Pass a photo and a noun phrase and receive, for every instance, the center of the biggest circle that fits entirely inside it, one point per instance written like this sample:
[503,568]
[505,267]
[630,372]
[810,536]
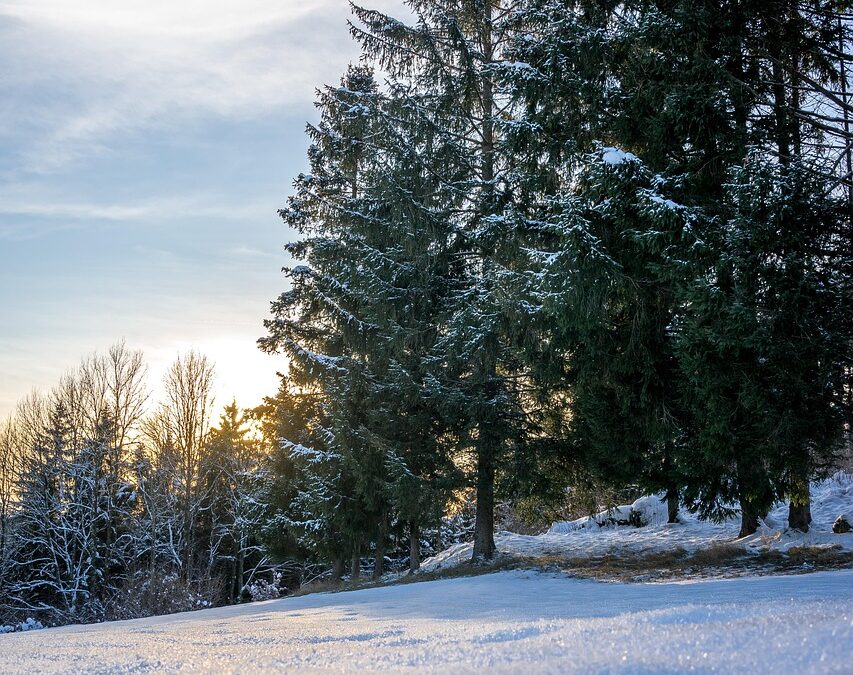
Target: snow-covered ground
[503,622]
[512,621]
[592,536]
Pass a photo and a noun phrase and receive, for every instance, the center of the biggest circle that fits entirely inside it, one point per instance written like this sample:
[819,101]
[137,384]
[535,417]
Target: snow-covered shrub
[261,589]
[29,624]
[150,594]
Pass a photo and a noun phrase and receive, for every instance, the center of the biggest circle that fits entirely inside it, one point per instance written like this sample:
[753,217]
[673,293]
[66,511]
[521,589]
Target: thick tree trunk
[414,547]
[748,518]
[799,516]
[672,505]
[799,511]
[337,568]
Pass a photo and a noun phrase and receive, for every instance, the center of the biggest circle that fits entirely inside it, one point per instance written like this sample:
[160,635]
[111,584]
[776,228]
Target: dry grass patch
[717,555]
[716,561]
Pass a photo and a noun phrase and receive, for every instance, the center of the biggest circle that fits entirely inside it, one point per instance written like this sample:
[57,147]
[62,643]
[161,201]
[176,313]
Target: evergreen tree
[764,344]
[324,323]
[609,289]
[231,515]
[610,232]
[444,67]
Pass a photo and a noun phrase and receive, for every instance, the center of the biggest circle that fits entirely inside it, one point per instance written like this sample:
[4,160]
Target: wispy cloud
[120,114]
[150,210]
[125,66]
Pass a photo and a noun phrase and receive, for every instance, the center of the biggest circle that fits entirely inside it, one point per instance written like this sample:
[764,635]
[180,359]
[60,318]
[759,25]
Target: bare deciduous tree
[179,429]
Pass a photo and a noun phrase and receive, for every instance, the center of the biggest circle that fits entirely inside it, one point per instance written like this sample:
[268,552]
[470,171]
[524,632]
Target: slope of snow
[599,535]
[504,622]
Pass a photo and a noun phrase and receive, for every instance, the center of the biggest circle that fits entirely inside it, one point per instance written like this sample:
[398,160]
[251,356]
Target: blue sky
[145,146]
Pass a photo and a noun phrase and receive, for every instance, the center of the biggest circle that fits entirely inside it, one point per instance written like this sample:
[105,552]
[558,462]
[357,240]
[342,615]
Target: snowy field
[503,622]
[593,536]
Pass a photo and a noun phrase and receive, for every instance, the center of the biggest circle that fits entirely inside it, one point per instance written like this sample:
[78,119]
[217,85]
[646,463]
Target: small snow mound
[618,515]
[649,510]
[449,557]
[832,498]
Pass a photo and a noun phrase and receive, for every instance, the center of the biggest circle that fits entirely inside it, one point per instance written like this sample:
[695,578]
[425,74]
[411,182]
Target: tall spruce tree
[445,64]
[628,128]
[764,345]
[378,259]
[319,322]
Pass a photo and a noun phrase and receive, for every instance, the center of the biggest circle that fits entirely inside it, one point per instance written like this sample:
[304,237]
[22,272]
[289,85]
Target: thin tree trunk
[241,562]
[484,527]
[780,105]
[355,567]
[232,585]
[487,446]
[484,524]
[379,561]
[414,547]
[848,140]
[188,555]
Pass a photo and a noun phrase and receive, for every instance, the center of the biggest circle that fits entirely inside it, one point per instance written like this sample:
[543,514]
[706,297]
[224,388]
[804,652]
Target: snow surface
[617,156]
[599,535]
[503,622]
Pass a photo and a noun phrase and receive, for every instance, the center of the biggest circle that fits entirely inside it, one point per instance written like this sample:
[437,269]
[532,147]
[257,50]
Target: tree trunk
[241,557]
[337,568]
[188,535]
[355,567]
[672,505]
[799,516]
[484,524]
[848,139]
[379,560]
[232,582]
[780,106]
[748,518]
[799,511]
[414,547]
[484,527]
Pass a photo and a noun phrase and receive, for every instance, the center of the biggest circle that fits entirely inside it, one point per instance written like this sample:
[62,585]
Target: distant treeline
[114,508]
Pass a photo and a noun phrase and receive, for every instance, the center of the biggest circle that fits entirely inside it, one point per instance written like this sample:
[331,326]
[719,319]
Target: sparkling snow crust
[504,622]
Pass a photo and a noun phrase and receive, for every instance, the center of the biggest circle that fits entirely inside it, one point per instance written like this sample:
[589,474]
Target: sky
[145,147]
